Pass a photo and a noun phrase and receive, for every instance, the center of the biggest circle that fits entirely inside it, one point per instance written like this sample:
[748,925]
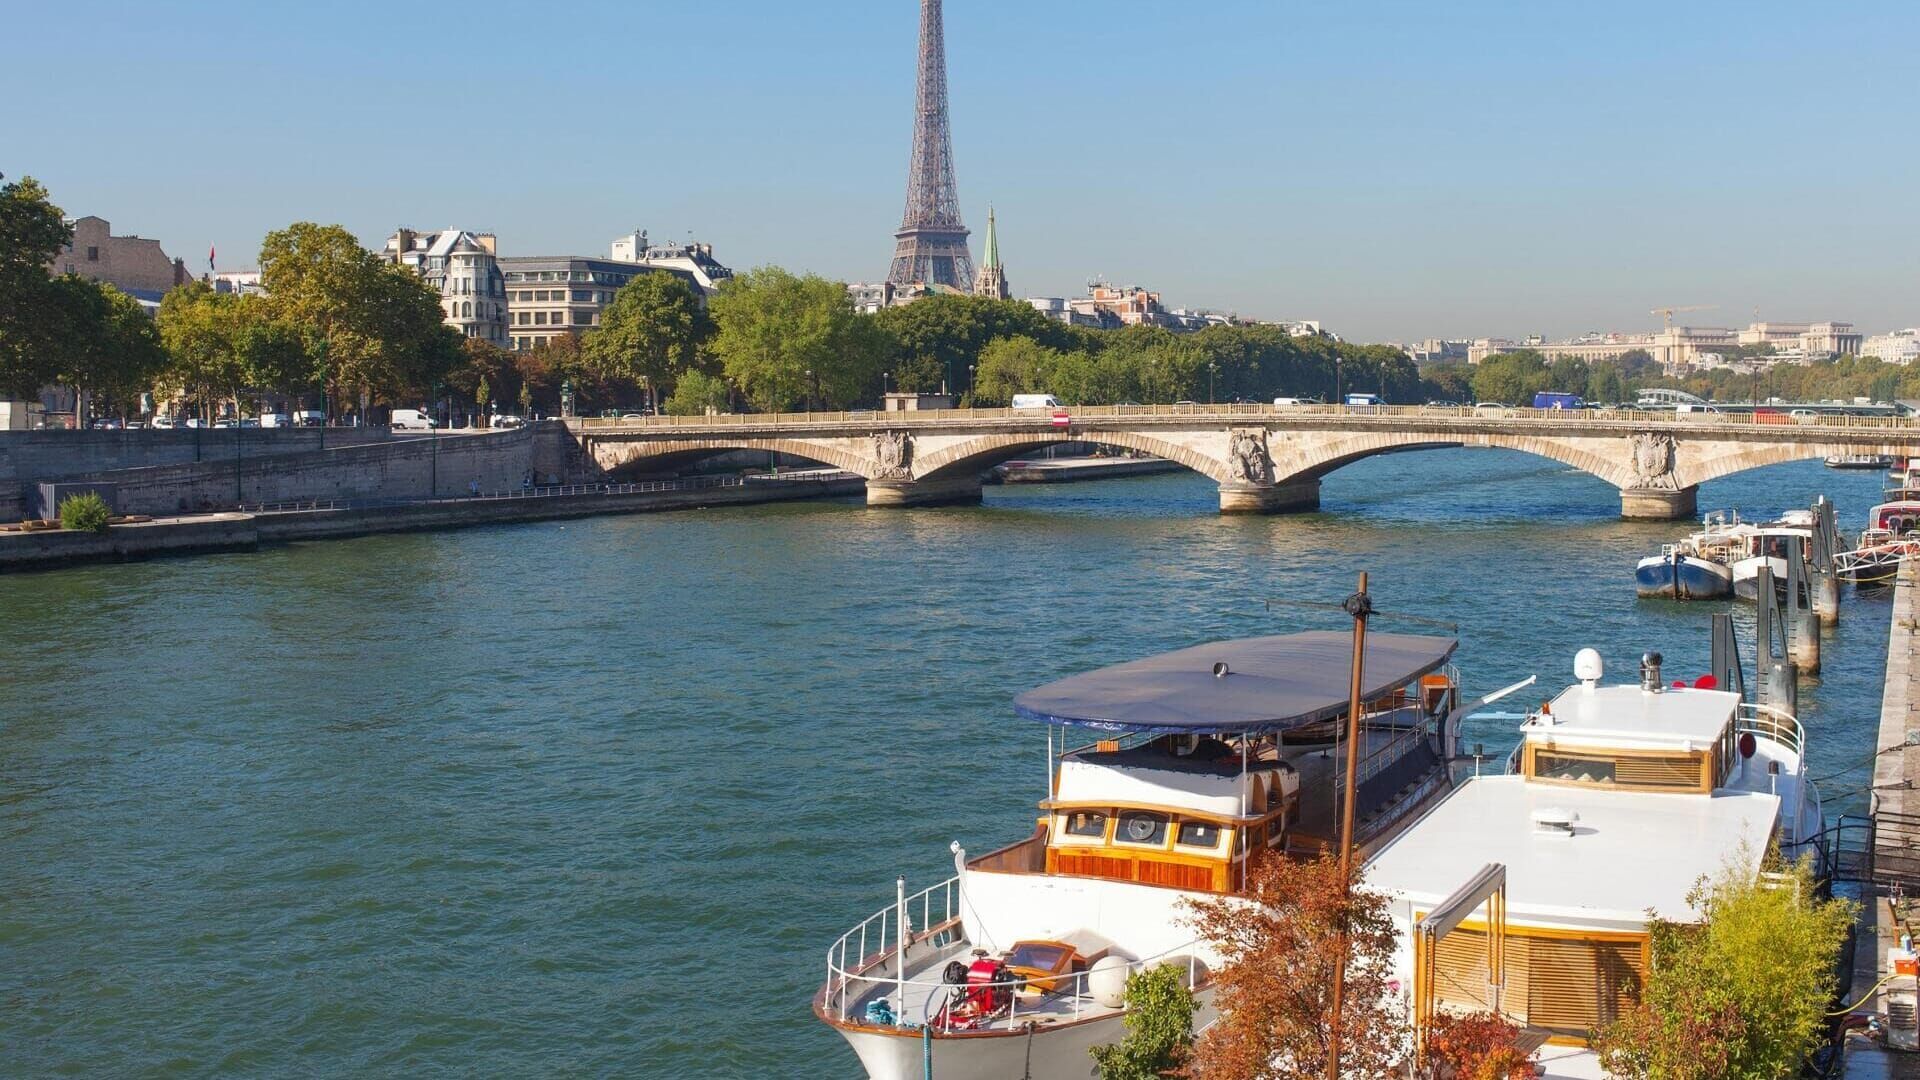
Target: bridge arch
[615,456]
[978,454]
[1699,463]
[1295,462]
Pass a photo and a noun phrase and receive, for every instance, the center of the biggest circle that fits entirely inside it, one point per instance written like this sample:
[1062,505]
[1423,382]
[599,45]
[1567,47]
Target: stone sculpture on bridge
[1247,456]
[893,454]
[1652,453]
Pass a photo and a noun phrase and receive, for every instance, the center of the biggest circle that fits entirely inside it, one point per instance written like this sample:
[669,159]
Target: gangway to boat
[1877,560]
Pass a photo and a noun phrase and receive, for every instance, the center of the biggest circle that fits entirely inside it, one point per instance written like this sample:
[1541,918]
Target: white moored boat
[1204,757]
[1768,547]
[1620,799]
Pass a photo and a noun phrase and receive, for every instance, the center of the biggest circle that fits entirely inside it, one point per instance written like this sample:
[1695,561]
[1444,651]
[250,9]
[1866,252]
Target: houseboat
[1859,461]
[1165,775]
[1529,893]
[1700,566]
[1768,546]
[1891,536]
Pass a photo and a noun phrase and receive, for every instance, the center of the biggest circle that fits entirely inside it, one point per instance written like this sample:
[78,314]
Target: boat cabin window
[1088,823]
[1199,834]
[1638,771]
[1141,827]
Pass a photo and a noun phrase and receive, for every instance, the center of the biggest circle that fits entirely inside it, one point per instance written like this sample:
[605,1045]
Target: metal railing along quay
[548,491]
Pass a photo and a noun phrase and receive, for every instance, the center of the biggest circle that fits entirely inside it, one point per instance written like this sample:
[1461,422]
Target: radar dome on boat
[1587,666]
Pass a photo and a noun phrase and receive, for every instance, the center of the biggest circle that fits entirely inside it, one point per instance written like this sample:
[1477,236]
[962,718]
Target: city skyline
[1395,174]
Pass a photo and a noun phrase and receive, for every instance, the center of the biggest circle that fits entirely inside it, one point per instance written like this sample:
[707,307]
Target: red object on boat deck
[1706,682]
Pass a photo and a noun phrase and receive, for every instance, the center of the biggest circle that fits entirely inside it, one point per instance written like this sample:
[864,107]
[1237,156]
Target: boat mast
[1359,605]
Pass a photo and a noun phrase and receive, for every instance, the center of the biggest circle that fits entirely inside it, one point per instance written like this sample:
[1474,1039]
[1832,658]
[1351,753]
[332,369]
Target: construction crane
[1668,312]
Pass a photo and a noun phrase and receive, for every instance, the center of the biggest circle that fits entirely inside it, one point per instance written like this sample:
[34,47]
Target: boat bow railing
[851,967]
[1777,724]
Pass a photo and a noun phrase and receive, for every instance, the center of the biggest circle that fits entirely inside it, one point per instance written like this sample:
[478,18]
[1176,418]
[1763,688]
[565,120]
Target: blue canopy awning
[1271,684]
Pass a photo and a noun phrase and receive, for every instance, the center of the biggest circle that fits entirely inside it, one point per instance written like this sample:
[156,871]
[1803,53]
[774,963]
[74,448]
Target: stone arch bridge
[1264,458]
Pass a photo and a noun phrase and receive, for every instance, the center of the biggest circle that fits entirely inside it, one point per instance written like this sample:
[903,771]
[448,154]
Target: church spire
[992,278]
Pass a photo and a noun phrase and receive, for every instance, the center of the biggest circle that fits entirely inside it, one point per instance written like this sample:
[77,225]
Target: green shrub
[1159,1028]
[85,512]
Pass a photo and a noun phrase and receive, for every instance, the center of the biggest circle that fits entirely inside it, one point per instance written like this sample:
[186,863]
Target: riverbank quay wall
[391,467]
[1887,907]
[219,532]
[34,457]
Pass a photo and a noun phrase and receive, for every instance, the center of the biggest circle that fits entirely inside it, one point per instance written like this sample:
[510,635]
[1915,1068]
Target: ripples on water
[593,797]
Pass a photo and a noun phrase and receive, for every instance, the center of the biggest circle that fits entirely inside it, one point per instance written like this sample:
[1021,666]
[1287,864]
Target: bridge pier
[960,490]
[1298,496]
[1659,504]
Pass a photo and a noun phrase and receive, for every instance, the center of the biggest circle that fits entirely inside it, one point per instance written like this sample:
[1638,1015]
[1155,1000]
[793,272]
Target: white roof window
[1627,716]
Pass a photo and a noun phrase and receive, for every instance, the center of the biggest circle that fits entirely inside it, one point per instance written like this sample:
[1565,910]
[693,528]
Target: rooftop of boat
[1248,685]
[1627,852]
[1617,715]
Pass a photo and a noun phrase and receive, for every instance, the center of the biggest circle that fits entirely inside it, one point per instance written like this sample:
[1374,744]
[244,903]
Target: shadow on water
[553,798]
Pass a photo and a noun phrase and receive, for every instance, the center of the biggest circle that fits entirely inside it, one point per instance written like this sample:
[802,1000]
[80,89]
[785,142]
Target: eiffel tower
[931,244]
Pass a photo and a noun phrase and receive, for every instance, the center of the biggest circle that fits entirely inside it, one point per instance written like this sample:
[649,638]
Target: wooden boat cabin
[1223,750]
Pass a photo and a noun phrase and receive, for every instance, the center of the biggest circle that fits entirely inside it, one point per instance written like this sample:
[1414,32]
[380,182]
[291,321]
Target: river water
[592,798]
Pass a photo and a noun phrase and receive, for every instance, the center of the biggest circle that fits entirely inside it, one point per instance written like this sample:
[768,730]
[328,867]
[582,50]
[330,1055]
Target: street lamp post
[810,385]
[1337,398]
[1212,369]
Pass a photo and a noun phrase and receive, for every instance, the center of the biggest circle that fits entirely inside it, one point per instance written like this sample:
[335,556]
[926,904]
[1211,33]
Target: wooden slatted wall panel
[1460,967]
[1662,772]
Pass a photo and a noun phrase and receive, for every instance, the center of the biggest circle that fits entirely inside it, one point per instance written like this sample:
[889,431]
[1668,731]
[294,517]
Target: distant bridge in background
[1264,458]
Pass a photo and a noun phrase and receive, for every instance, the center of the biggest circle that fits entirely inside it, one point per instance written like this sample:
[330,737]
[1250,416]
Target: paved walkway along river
[591,797]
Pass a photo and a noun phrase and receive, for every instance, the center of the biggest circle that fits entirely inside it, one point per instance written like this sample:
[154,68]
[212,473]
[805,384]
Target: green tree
[652,330]
[32,232]
[1159,1023]
[696,394]
[1511,378]
[774,328]
[1448,382]
[1016,365]
[936,339]
[106,343]
[1743,994]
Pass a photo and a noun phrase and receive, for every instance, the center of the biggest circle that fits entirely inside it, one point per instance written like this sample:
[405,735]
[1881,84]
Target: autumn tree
[1741,995]
[379,329]
[1275,988]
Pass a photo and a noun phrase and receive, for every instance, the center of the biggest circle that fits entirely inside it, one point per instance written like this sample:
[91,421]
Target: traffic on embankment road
[328,519]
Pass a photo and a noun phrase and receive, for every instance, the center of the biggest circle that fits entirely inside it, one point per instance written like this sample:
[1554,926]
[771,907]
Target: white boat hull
[1044,1053]
[1746,576]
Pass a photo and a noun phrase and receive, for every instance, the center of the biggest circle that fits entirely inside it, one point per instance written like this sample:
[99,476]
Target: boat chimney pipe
[1650,672]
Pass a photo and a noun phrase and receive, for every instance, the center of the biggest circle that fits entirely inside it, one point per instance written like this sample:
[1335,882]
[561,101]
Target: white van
[410,420]
[275,419]
[1288,402]
[1035,401]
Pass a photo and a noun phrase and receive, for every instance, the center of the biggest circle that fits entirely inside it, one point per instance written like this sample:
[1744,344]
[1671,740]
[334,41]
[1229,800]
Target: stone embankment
[246,531]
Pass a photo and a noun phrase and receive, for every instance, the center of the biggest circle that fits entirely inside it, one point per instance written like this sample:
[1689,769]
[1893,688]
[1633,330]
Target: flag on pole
[209,258]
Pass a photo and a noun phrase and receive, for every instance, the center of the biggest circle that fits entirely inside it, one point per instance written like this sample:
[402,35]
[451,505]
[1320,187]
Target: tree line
[1513,378]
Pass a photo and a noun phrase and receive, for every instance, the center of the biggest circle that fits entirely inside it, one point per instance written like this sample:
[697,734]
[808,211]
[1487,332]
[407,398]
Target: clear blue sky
[1397,170]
